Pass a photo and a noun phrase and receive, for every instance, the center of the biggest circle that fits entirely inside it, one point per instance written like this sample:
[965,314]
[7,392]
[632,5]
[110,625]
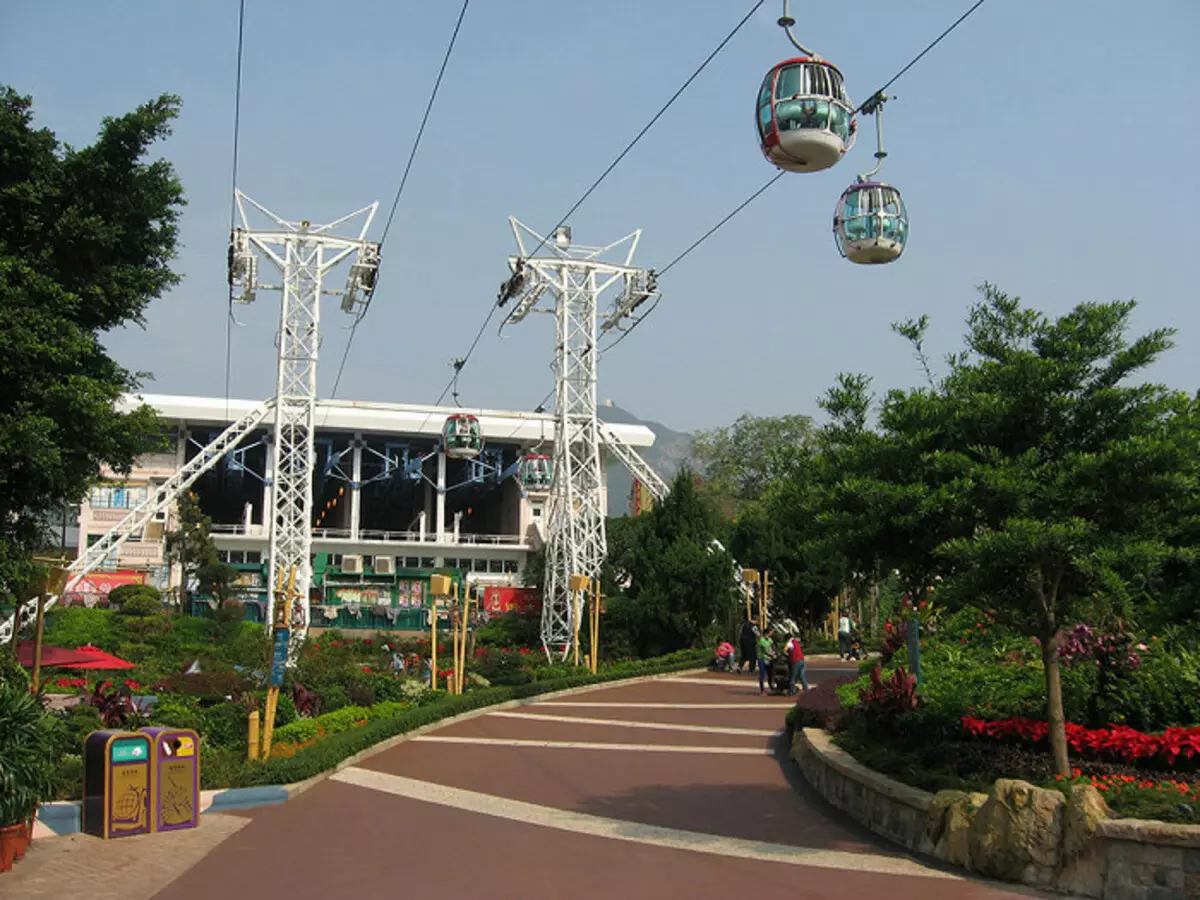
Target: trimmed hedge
[327,753]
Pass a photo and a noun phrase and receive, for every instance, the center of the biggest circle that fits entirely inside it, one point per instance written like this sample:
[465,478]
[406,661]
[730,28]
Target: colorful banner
[500,600]
[98,584]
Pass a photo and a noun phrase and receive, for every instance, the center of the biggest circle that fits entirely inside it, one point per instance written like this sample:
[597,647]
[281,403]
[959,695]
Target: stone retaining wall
[1017,832]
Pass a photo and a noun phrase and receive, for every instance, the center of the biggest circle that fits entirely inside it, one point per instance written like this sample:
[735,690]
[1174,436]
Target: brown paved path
[485,820]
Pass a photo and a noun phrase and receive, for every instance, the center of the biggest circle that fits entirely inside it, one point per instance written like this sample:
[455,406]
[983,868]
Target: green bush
[75,626]
[500,666]
[226,725]
[136,600]
[513,629]
[297,732]
[30,747]
[178,711]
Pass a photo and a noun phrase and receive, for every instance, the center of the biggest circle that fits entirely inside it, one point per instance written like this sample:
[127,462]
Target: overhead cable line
[400,190]
[237,121]
[704,237]
[508,288]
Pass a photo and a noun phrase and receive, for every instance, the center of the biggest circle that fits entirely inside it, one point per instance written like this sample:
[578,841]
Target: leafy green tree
[679,585]
[740,460]
[86,239]
[136,599]
[1062,482]
[190,546]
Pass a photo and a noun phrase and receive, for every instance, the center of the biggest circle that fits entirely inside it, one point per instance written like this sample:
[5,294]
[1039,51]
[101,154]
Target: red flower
[337,643]
[367,641]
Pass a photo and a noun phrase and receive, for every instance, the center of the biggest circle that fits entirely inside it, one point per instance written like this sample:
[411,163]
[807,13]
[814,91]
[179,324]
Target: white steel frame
[573,279]
[304,254]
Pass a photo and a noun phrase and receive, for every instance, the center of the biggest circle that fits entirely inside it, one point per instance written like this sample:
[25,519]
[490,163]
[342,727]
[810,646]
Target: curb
[63,818]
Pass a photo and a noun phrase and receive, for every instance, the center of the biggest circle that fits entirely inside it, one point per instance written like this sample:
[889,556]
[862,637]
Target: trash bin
[176,755]
[117,784]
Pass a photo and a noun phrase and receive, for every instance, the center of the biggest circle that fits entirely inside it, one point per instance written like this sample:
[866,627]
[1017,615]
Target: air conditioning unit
[352,564]
[385,565]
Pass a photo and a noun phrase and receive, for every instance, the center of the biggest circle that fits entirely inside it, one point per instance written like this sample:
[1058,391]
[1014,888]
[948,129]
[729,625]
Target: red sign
[98,584]
[500,600]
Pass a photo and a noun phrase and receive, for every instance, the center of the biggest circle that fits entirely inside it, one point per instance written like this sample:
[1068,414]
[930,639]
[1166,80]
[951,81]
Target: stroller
[856,646]
[778,675]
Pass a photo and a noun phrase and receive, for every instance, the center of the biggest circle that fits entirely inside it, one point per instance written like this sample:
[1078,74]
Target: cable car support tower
[304,254]
[572,280]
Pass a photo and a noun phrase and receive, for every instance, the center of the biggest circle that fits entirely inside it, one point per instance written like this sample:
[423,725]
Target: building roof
[386,418]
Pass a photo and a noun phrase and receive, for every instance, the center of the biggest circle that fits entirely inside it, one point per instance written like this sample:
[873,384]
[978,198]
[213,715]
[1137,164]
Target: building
[389,508]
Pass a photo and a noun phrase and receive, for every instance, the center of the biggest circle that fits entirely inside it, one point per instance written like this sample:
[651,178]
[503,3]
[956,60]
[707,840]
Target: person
[796,665]
[766,654]
[748,640]
[844,637]
[725,657]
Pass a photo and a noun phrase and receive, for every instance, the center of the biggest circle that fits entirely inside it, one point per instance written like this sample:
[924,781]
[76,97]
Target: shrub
[501,666]
[179,712]
[226,725]
[884,701]
[28,737]
[136,600]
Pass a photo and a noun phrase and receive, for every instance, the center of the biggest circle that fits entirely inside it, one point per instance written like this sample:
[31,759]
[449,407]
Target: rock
[935,821]
[948,825]
[1017,833]
[1085,810]
[1082,859]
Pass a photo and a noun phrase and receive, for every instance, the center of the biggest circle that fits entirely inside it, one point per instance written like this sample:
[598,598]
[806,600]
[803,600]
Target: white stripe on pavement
[749,707]
[590,745]
[625,723]
[633,832]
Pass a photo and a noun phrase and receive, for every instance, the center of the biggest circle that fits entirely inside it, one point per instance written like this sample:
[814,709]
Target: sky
[1028,154]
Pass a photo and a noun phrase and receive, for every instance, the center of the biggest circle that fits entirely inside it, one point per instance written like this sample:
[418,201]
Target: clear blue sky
[1049,147]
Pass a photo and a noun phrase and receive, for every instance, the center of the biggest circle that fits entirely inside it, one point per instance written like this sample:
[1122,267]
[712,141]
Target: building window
[481,565]
[450,563]
[335,560]
[412,562]
[537,512]
[495,566]
[368,561]
[253,556]
[428,562]
[116,496]
[511,567]
[236,557]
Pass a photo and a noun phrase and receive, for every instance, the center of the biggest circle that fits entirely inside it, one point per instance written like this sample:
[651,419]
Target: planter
[25,839]
[11,837]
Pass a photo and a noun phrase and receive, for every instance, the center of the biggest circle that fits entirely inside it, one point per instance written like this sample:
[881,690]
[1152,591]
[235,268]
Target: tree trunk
[1054,705]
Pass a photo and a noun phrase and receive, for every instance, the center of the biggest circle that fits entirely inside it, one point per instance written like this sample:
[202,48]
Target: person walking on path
[843,637]
[748,640]
[766,654]
[796,664]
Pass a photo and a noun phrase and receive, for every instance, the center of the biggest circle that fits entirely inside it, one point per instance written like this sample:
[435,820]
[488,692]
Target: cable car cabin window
[794,114]
[839,122]
[764,107]
[790,83]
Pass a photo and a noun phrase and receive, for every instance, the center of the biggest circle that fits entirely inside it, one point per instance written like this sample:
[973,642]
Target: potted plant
[27,767]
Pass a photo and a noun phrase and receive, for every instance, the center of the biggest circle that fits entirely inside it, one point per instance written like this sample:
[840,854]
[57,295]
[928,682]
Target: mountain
[670,451]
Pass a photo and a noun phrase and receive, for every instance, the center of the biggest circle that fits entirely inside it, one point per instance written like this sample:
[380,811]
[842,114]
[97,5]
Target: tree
[86,238]
[741,459]
[1062,482]
[679,585]
[191,546]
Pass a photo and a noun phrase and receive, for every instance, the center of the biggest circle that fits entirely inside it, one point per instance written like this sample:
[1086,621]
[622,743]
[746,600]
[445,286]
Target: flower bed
[1174,748]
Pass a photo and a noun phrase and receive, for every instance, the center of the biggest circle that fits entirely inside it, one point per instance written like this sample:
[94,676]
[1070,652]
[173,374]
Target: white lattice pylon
[304,254]
[573,279]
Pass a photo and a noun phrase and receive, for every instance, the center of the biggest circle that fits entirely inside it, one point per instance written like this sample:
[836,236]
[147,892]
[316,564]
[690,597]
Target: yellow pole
[596,627]
[433,675]
[37,641]
[453,687]
[577,596]
[252,737]
[763,599]
[284,601]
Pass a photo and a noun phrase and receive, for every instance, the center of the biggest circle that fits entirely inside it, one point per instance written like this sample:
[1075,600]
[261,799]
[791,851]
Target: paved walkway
[627,791]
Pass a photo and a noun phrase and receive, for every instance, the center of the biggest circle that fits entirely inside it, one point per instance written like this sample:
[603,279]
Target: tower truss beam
[572,280]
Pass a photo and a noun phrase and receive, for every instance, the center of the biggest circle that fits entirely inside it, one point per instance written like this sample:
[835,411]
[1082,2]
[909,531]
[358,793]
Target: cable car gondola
[535,471]
[805,119]
[462,437]
[870,224]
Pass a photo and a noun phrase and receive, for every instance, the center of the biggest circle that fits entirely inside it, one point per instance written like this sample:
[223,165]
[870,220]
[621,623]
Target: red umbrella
[51,656]
[94,658]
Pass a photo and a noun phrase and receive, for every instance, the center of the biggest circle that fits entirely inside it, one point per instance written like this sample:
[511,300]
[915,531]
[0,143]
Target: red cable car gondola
[805,119]
[535,471]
